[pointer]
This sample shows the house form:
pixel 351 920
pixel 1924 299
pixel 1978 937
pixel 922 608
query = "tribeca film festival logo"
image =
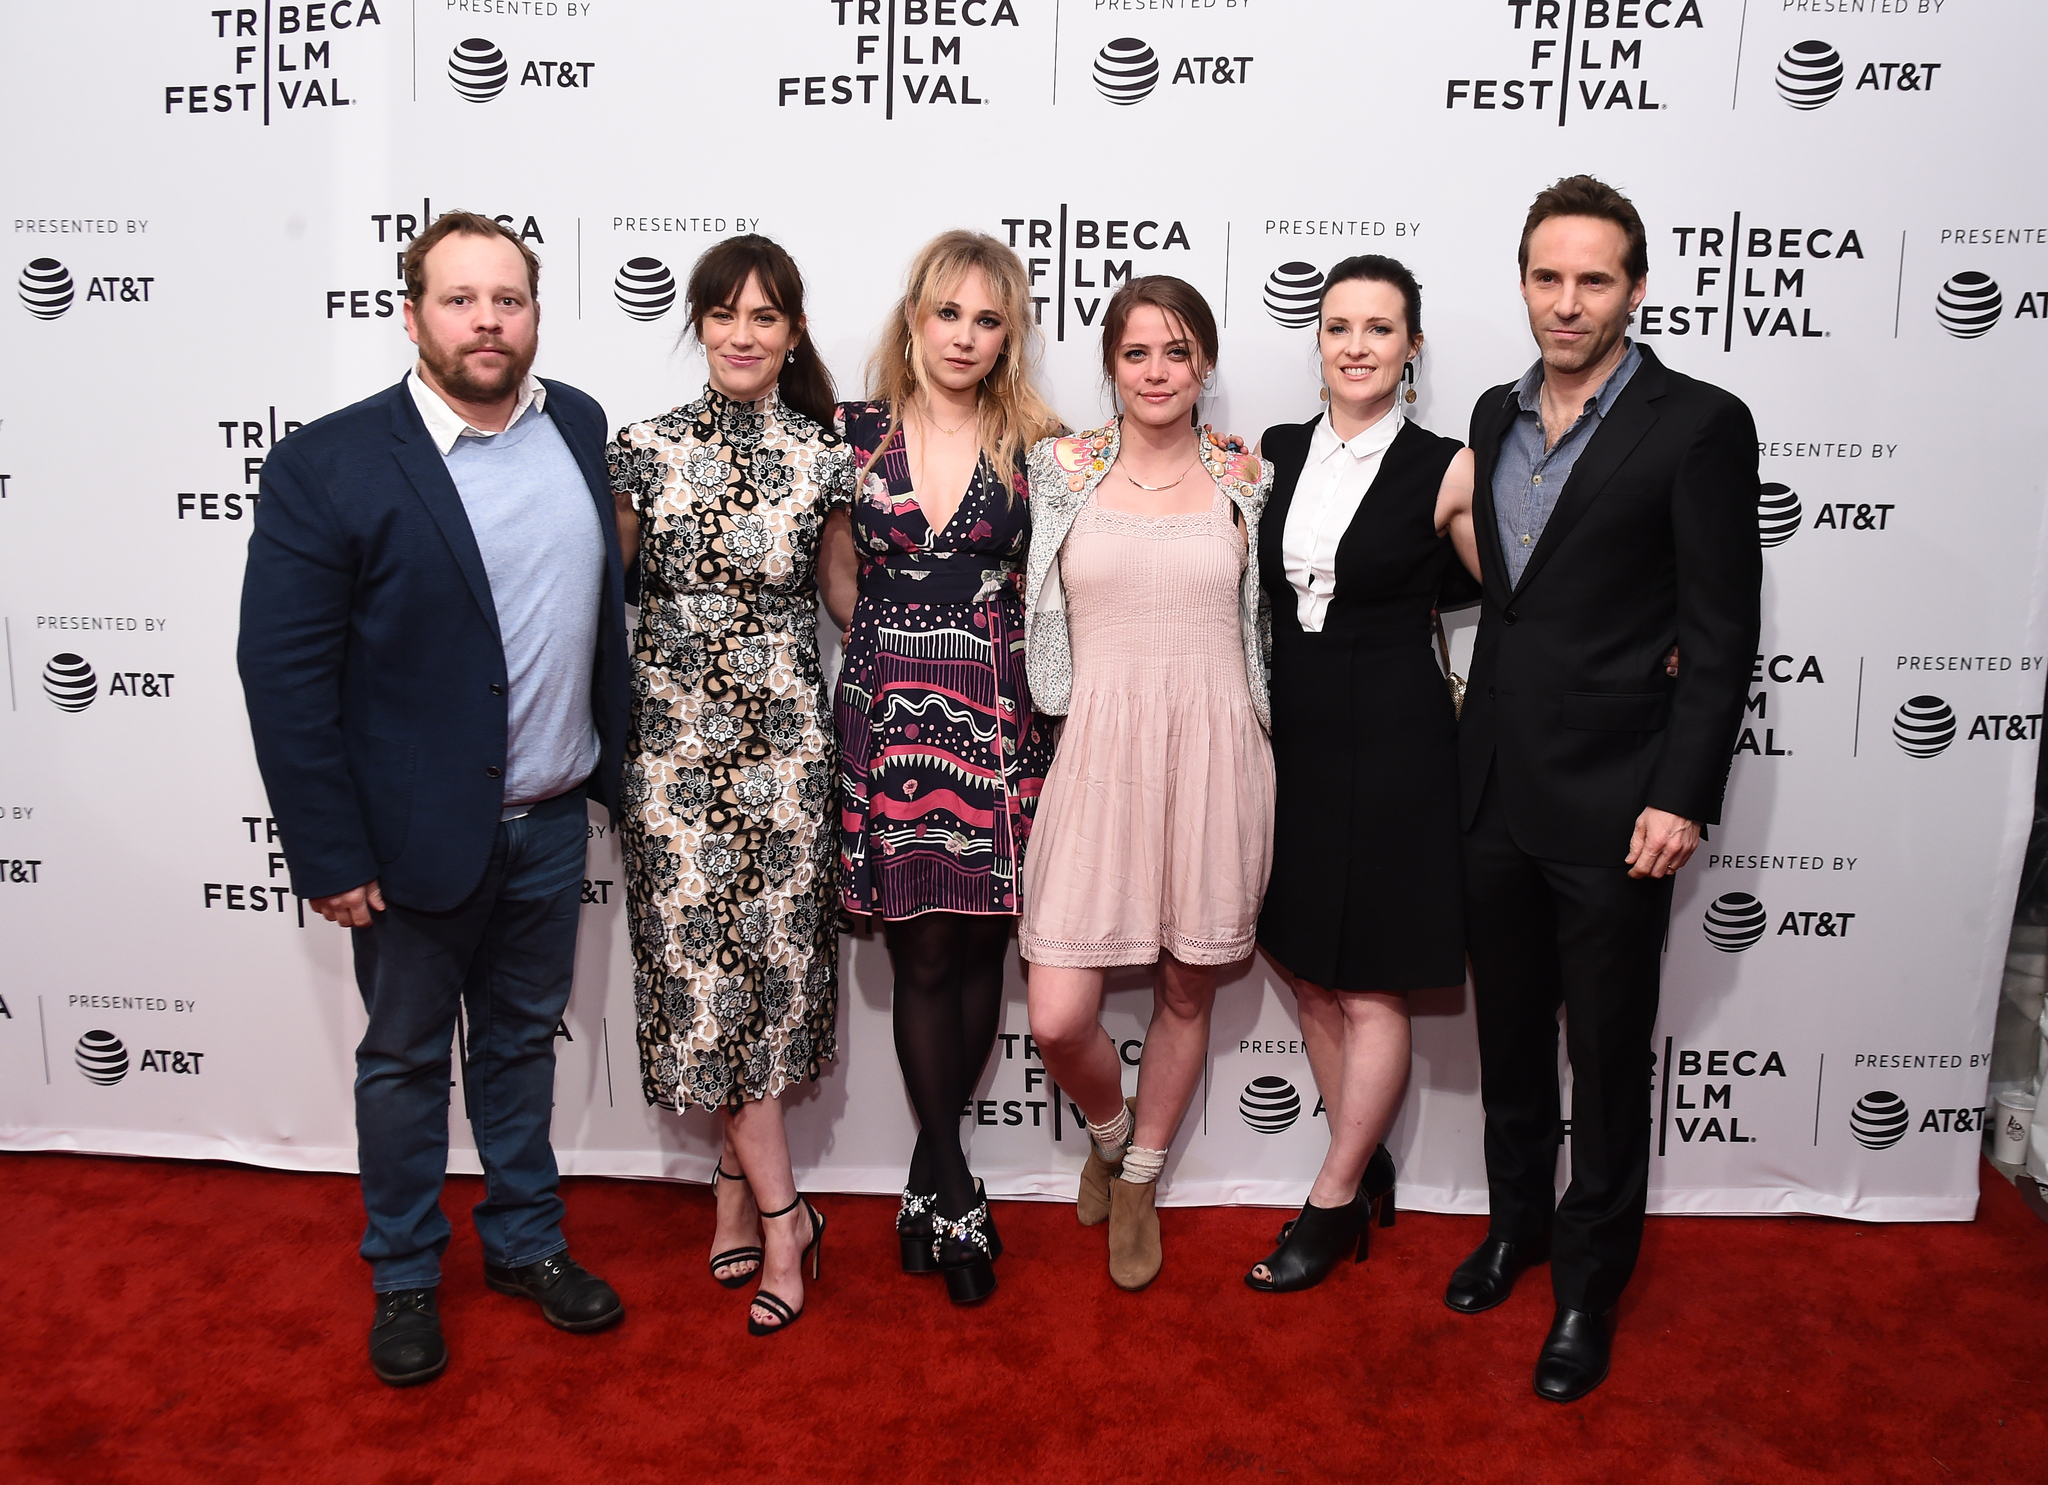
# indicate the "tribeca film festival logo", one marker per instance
pixel 395 229
pixel 1067 240
pixel 1706 1127
pixel 917 54
pixel 1751 280
pixel 47 288
pixel 1583 54
pixel 283 58
pixel 479 72
pixel 1128 70
pixel 1782 670
pixel 103 1058
pixel 1269 1104
pixel 1812 73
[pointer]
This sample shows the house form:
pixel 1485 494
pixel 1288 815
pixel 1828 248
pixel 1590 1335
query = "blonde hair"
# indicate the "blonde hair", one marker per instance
pixel 1013 415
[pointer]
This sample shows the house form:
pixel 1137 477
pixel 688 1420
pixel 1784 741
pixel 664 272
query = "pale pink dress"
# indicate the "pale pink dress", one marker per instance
pixel 1156 825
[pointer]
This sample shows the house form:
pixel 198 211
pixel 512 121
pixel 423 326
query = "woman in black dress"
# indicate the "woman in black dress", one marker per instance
pixel 1369 519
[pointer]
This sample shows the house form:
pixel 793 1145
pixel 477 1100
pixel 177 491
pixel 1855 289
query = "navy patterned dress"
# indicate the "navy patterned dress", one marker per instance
pixel 941 756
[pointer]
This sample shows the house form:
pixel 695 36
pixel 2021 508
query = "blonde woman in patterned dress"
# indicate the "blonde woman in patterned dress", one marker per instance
pixel 1154 833
pixel 731 854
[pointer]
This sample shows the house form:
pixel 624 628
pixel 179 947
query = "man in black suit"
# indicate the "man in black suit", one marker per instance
pixel 433 651
pixel 1615 509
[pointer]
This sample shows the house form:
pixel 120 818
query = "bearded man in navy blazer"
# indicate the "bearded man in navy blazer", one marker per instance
pixel 433 650
pixel 1615 508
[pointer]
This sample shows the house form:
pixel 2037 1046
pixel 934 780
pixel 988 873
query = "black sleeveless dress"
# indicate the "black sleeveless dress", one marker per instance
pixel 1366 892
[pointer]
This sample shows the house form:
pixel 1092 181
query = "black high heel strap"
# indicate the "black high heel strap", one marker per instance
pixel 784 1211
pixel 728 1175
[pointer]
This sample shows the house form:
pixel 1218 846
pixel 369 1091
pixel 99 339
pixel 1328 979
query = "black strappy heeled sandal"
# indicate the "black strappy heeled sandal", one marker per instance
pixel 732 1256
pixel 814 1250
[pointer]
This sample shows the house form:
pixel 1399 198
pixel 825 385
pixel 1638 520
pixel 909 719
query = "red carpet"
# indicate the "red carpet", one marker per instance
pixel 173 1322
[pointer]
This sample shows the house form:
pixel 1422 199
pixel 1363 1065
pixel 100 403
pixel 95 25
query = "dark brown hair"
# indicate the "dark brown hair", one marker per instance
pixel 469 224
pixel 716 282
pixel 1376 268
pixel 1583 196
pixel 1180 301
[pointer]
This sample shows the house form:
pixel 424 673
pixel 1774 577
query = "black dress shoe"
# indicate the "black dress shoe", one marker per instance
pixel 1574 1357
pixel 569 1295
pixel 1488 1276
pixel 405 1338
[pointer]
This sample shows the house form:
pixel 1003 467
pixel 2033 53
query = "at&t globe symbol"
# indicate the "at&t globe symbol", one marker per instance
pixel 1777 515
pixel 1269 1104
pixel 46 289
pixel 1292 292
pixel 1879 1120
pixel 645 288
pixel 1924 726
pixel 69 682
pixel 478 70
pixel 1126 71
pixel 1968 305
pixel 1734 921
pixel 102 1058
pixel 1810 75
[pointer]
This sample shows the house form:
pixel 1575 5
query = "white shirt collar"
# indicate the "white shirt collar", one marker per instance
pixel 1368 443
pixel 445 425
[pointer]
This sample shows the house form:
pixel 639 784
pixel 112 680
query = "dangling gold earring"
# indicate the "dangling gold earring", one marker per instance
pixel 1408 382
pixel 1323 392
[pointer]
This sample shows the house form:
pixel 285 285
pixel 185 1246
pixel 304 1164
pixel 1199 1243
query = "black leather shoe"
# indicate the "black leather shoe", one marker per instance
pixel 569 1295
pixel 405 1338
pixel 1574 1357
pixel 1488 1276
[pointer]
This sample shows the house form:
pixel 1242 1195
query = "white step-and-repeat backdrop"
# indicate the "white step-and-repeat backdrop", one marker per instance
pixel 205 204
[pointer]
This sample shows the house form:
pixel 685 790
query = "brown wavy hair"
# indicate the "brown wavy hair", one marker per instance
pixel 1585 196
pixel 1185 310
pixel 716 282
pixel 1013 414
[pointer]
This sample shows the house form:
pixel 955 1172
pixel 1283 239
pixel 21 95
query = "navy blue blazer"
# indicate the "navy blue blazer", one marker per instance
pixel 371 659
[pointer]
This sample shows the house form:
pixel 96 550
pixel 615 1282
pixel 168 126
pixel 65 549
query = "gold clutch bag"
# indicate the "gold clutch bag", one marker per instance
pixel 1453 682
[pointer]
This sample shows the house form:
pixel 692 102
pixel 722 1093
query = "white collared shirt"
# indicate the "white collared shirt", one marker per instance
pixel 445 424
pixel 1334 479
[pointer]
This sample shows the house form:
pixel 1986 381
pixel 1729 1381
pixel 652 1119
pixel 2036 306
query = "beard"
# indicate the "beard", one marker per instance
pixel 453 369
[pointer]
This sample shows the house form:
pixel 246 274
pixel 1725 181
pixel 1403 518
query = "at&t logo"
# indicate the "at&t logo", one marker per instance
pixel 71 685
pixel 1924 726
pixel 1269 1104
pixel 1734 921
pixel 1812 73
pixel 1292 292
pixel 645 288
pixel 47 288
pixel 1879 1119
pixel 104 1060
pixel 479 72
pixel 1128 70
pixel 1968 305
pixel 69 682
pixel 1777 515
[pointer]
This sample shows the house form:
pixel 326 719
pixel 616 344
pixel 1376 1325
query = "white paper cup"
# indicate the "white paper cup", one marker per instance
pixel 2014 1113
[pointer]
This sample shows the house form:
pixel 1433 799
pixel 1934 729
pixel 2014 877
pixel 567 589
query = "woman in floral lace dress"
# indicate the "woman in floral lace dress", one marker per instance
pixel 730 848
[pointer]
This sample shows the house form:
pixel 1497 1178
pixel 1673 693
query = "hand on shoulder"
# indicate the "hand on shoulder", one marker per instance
pixel 1238 460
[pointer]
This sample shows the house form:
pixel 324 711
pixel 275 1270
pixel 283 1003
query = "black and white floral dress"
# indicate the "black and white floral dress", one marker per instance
pixel 730 845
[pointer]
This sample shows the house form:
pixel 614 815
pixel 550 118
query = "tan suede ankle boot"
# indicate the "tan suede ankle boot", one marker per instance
pixel 1092 1205
pixel 1134 1251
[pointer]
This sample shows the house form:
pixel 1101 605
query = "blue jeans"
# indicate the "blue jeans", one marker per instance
pixel 507 955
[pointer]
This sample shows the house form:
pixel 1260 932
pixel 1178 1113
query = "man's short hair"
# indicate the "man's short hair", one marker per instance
pixel 1584 196
pixel 469 224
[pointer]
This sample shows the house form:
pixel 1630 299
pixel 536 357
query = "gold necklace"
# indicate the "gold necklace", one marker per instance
pixel 926 410
pixel 1154 489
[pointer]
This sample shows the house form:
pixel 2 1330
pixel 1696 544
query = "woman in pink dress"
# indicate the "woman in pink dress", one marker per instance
pixel 1154 831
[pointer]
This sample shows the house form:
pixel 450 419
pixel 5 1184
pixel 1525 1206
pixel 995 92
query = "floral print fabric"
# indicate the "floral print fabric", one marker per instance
pixel 727 831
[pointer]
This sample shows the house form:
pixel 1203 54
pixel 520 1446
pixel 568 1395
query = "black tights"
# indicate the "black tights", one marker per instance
pixel 949 997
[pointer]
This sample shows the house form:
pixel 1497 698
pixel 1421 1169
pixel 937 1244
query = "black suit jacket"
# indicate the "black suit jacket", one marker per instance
pixel 1653 542
pixel 371 660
